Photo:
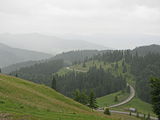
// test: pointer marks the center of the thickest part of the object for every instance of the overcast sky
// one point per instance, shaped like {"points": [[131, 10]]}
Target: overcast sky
{"points": [[82, 17]]}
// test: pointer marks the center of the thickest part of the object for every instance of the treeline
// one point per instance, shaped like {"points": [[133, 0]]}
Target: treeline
{"points": [[40, 72], [142, 67], [84, 98], [77, 56], [100, 81]]}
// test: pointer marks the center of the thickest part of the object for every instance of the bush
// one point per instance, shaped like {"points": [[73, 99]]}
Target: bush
{"points": [[2, 102], [107, 112]]}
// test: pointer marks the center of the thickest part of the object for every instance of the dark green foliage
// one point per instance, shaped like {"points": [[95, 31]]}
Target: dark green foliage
{"points": [[143, 68], [128, 89], [144, 116], [155, 95], [81, 97], [2, 102], [144, 50], [110, 56], [84, 64], [148, 116], [53, 83], [85, 99], [130, 113], [16, 74], [116, 67], [124, 69], [101, 81], [107, 112], [40, 72], [92, 100], [116, 99], [137, 114], [76, 57]]}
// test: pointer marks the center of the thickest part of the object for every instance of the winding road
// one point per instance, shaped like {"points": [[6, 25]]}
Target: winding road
{"points": [[131, 96]]}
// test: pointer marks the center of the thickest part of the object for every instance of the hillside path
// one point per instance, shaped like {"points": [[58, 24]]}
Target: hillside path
{"points": [[131, 96]]}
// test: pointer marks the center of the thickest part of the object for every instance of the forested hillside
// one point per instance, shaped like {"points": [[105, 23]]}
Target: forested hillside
{"points": [[77, 56], [123, 65], [17, 66], [69, 58], [141, 67], [144, 50], [40, 72], [97, 79]]}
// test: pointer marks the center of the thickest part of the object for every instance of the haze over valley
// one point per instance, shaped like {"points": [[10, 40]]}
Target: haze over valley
{"points": [[79, 60]]}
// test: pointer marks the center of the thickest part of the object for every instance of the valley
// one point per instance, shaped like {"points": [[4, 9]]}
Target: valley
{"points": [[110, 74]]}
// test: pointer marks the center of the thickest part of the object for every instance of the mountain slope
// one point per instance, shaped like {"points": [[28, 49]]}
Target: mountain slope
{"points": [[22, 99], [44, 43], [9, 55], [144, 50]]}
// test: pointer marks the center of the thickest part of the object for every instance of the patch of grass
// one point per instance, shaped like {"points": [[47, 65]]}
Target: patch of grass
{"points": [[22, 99], [124, 117], [110, 99], [140, 105]]}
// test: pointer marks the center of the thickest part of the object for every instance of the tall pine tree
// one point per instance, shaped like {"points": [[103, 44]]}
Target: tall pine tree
{"points": [[155, 95], [92, 100], [54, 83]]}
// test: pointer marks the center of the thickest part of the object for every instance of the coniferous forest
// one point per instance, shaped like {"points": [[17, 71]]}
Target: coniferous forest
{"points": [[97, 79], [103, 82]]}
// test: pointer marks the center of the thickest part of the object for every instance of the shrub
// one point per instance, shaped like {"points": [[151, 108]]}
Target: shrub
{"points": [[107, 112]]}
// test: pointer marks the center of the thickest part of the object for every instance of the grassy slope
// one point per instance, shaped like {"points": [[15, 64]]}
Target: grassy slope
{"points": [[110, 99], [140, 105], [27, 100]]}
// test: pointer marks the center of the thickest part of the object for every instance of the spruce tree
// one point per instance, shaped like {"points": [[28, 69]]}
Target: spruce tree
{"points": [[155, 95], [54, 83], [92, 100]]}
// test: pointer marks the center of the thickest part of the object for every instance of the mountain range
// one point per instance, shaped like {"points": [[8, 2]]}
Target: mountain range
{"points": [[9, 55], [45, 43]]}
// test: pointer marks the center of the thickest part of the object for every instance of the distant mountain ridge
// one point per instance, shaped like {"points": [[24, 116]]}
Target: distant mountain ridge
{"points": [[47, 44], [79, 56], [144, 50], [9, 55]]}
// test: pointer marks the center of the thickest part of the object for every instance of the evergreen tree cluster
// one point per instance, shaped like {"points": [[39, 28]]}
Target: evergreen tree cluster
{"points": [[82, 97], [143, 68], [102, 82], [40, 72], [155, 95]]}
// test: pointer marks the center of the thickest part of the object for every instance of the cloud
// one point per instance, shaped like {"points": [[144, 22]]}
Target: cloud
{"points": [[80, 16]]}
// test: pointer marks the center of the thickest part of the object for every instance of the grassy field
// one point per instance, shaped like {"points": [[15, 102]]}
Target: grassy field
{"points": [[140, 105], [20, 99], [124, 117], [110, 99]]}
